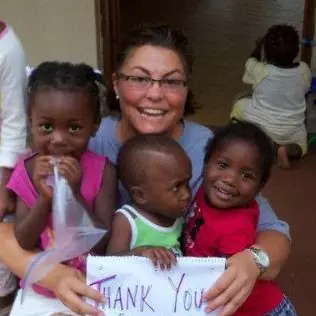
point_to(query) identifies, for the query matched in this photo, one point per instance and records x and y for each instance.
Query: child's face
(166, 190)
(232, 177)
(62, 122)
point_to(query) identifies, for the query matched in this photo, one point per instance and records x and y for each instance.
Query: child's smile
(232, 176)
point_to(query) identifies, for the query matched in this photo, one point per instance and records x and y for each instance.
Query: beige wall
(54, 29)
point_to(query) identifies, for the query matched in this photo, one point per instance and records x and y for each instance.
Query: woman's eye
(74, 128)
(139, 79)
(172, 82)
(46, 127)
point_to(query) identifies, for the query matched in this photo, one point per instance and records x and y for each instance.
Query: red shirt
(211, 232)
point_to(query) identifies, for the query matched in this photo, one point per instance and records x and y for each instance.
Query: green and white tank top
(146, 233)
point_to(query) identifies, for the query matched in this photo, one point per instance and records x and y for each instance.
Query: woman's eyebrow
(147, 72)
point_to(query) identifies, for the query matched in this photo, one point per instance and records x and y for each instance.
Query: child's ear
(138, 195)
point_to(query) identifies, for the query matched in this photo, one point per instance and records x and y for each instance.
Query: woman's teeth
(155, 112)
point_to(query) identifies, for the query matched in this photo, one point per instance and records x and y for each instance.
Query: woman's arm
(278, 248)
(11, 253)
(67, 283)
(273, 237)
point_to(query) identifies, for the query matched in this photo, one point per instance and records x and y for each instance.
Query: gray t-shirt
(193, 141)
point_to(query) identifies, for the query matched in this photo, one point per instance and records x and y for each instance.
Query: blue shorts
(285, 308)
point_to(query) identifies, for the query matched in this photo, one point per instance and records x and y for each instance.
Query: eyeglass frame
(151, 81)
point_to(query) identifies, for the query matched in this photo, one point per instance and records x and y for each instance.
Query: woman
(151, 92)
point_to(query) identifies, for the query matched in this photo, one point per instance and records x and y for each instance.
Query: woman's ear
(138, 195)
(114, 82)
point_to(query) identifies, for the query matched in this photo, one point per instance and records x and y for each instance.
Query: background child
(225, 213)
(64, 107)
(279, 84)
(156, 172)
(12, 134)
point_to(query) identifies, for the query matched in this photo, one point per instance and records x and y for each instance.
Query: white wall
(54, 29)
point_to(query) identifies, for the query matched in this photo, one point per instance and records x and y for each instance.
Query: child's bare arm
(31, 222)
(7, 197)
(106, 200)
(257, 52)
(120, 237)
(105, 205)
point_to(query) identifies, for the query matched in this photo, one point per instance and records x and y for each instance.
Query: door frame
(108, 33)
(308, 31)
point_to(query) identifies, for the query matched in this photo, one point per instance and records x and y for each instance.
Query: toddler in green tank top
(155, 171)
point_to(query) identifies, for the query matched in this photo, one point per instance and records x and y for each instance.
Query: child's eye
(221, 165)
(46, 127)
(74, 128)
(175, 188)
(247, 176)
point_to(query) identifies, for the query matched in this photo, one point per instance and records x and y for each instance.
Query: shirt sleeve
(255, 71)
(13, 110)
(268, 219)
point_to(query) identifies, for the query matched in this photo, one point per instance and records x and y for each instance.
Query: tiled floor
(292, 194)
(222, 34)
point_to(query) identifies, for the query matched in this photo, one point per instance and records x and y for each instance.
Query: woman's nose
(155, 92)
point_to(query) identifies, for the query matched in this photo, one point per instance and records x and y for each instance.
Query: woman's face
(151, 107)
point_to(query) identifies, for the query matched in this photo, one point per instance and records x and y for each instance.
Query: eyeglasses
(144, 83)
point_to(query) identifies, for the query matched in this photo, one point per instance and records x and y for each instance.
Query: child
(225, 215)
(12, 134)
(64, 108)
(279, 84)
(156, 172)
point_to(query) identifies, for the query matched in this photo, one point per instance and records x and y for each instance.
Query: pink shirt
(92, 166)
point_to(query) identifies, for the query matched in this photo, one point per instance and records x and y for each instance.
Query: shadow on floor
(293, 194)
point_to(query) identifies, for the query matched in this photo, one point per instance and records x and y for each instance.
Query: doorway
(222, 34)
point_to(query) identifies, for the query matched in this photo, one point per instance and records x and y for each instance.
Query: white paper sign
(132, 287)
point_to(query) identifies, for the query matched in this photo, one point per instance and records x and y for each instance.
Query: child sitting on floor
(279, 85)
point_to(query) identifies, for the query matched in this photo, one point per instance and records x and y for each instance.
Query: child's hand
(42, 169)
(160, 256)
(70, 169)
(7, 201)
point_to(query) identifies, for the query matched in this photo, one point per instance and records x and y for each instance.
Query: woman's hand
(233, 288)
(70, 290)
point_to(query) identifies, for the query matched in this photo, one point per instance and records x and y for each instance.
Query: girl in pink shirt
(64, 108)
